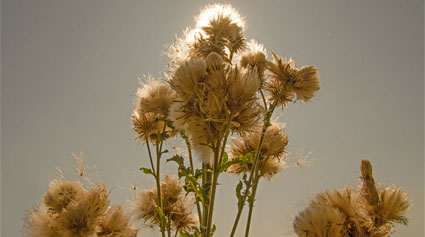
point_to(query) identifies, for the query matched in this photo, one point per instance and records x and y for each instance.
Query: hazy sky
(70, 69)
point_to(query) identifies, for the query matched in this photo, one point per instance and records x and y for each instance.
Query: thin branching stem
(192, 169)
(264, 99)
(251, 203)
(150, 155)
(169, 227)
(218, 156)
(158, 148)
(266, 124)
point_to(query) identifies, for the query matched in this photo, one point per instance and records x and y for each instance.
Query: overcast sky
(70, 69)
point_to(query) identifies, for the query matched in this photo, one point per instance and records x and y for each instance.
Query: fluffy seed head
(320, 221)
(272, 152)
(81, 218)
(394, 203)
(186, 79)
(41, 223)
(242, 100)
(214, 62)
(221, 18)
(149, 125)
(288, 80)
(307, 83)
(182, 48)
(254, 56)
(343, 201)
(182, 217)
(176, 206)
(61, 193)
(274, 144)
(154, 97)
(116, 223)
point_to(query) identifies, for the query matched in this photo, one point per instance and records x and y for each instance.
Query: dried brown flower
(149, 126)
(61, 193)
(254, 57)
(368, 211)
(116, 223)
(81, 218)
(42, 223)
(154, 97)
(317, 221)
(272, 151)
(288, 80)
(176, 206)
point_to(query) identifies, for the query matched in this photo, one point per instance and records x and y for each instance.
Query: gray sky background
(70, 69)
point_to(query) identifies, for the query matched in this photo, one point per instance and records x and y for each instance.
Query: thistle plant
(220, 88)
(369, 210)
(218, 95)
(70, 210)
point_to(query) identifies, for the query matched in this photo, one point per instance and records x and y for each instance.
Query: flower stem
(218, 156)
(266, 124)
(150, 155)
(158, 148)
(192, 169)
(251, 201)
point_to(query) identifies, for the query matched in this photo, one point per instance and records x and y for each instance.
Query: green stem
(169, 227)
(264, 99)
(150, 155)
(218, 156)
(251, 204)
(192, 169)
(158, 148)
(157, 178)
(158, 188)
(266, 124)
(208, 178)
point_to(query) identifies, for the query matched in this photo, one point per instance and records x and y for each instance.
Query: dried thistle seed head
(393, 204)
(116, 223)
(61, 193)
(247, 118)
(274, 144)
(242, 99)
(81, 218)
(200, 140)
(272, 151)
(183, 48)
(243, 86)
(41, 222)
(176, 205)
(182, 217)
(214, 62)
(188, 77)
(307, 83)
(269, 168)
(254, 56)
(288, 80)
(149, 126)
(379, 219)
(154, 97)
(344, 201)
(220, 21)
(320, 221)
(144, 206)
(171, 189)
(203, 47)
